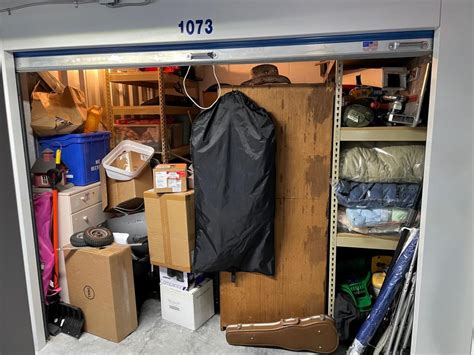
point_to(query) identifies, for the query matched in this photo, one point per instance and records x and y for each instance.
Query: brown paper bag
(58, 113)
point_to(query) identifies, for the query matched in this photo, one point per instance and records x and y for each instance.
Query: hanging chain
(163, 126)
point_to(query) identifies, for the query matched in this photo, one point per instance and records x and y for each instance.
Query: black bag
(233, 151)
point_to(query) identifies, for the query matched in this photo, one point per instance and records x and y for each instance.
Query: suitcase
(317, 334)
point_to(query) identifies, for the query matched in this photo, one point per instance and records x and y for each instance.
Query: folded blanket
(382, 162)
(376, 195)
(360, 217)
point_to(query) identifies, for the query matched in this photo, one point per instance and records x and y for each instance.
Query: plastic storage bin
(145, 154)
(82, 153)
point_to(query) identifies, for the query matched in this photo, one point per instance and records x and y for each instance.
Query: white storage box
(190, 309)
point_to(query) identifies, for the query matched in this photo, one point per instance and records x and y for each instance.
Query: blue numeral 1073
(196, 26)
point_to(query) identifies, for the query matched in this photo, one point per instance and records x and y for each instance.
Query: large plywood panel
(303, 119)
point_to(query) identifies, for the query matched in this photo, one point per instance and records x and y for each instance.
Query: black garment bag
(233, 151)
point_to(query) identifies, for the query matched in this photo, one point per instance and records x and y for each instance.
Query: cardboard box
(170, 178)
(100, 282)
(130, 161)
(389, 78)
(190, 309)
(171, 229)
(179, 279)
(124, 194)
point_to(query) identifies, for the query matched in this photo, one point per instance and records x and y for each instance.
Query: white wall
(444, 285)
(93, 24)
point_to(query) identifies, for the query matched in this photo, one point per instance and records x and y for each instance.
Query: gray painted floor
(157, 336)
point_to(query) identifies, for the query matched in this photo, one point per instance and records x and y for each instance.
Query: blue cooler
(82, 153)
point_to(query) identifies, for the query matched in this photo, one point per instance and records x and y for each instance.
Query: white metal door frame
(22, 190)
(21, 178)
(11, 65)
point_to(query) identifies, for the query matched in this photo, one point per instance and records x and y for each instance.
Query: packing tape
(166, 230)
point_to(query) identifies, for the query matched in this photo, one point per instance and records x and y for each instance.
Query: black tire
(98, 236)
(77, 240)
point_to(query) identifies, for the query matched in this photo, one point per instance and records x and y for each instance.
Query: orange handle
(55, 239)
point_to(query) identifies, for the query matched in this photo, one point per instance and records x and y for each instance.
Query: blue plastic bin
(82, 153)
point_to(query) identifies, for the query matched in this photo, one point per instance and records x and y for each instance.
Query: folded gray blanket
(382, 162)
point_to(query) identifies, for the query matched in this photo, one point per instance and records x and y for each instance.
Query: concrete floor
(157, 336)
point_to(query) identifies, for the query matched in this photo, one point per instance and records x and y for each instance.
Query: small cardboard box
(181, 280)
(124, 194)
(190, 309)
(170, 178)
(171, 230)
(394, 78)
(100, 282)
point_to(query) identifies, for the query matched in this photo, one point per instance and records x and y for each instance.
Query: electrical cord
(71, 2)
(218, 88)
(57, 2)
(119, 5)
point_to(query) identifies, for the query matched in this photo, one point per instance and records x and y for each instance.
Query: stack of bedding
(379, 183)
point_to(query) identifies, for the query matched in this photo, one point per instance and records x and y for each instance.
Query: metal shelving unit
(155, 80)
(364, 134)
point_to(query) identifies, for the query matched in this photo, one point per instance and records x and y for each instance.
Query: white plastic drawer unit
(79, 207)
(86, 218)
(84, 199)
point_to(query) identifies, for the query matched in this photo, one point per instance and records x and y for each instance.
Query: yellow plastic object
(58, 157)
(93, 119)
(380, 263)
(377, 281)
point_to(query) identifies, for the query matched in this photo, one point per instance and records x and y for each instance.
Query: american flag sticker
(370, 45)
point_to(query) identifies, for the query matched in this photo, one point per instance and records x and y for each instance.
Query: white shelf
(354, 240)
(363, 134)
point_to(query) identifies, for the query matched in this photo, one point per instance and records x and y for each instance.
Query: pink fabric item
(43, 209)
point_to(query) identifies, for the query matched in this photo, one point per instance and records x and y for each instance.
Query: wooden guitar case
(317, 334)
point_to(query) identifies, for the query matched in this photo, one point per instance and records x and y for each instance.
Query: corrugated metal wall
(93, 84)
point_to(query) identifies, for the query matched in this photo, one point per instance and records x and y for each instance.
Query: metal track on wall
(334, 178)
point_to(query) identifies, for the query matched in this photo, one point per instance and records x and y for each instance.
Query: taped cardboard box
(170, 225)
(170, 178)
(124, 194)
(100, 282)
